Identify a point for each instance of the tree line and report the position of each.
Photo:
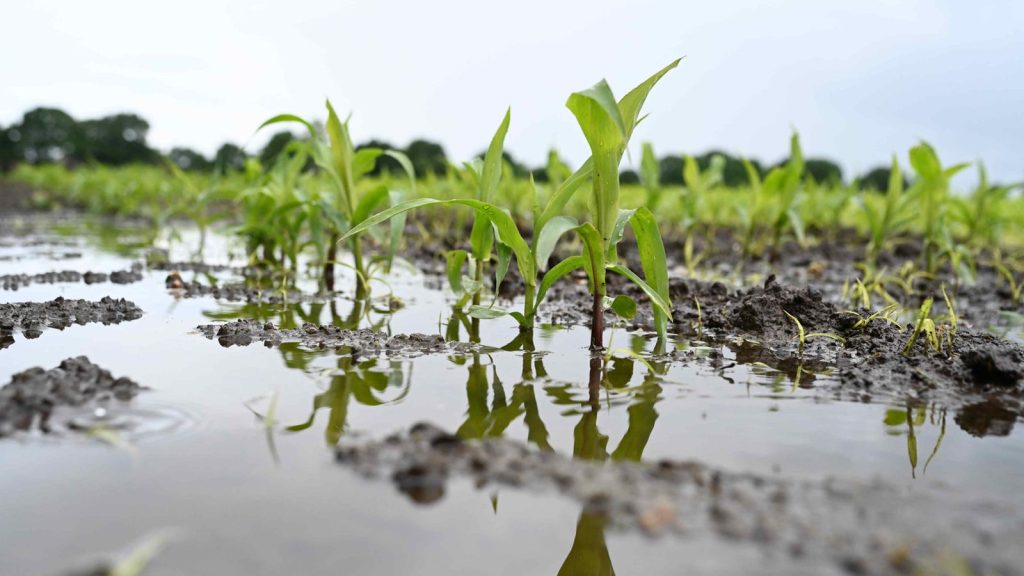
(50, 135)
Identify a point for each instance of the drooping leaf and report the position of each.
(656, 299)
(556, 272)
(548, 237)
(454, 261)
(593, 257)
(599, 117)
(654, 263)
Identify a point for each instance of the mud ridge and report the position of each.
(363, 342)
(31, 318)
(864, 528)
(16, 281)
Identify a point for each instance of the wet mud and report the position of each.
(31, 399)
(32, 318)
(16, 281)
(363, 342)
(859, 528)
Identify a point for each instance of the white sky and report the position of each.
(859, 79)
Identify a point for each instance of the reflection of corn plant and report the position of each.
(931, 196)
(336, 156)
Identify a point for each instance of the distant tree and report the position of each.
(629, 177)
(117, 140)
(427, 157)
(229, 158)
(188, 159)
(878, 179)
(734, 173)
(48, 135)
(671, 170)
(824, 171)
(8, 151)
(277, 143)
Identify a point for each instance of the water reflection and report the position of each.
(371, 382)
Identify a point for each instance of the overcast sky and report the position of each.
(859, 79)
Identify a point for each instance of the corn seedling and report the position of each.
(1016, 286)
(802, 336)
(886, 221)
(607, 126)
(931, 197)
(347, 208)
(650, 177)
(888, 314)
(923, 325)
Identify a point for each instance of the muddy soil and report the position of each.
(360, 343)
(28, 402)
(240, 292)
(32, 318)
(16, 281)
(859, 528)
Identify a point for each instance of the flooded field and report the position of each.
(304, 452)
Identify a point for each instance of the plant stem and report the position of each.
(362, 282)
(530, 313)
(597, 323)
(478, 275)
(332, 254)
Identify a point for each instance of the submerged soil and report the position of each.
(859, 528)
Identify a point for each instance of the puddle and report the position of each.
(247, 497)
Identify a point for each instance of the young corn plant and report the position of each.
(607, 126)
(885, 221)
(931, 197)
(650, 177)
(782, 185)
(347, 207)
(802, 336)
(924, 325)
(496, 230)
(697, 187)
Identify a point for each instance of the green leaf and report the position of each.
(491, 175)
(691, 174)
(364, 161)
(280, 118)
(556, 272)
(369, 202)
(548, 238)
(654, 264)
(895, 417)
(656, 300)
(650, 170)
(618, 230)
(556, 204)
(599, 117)
(594, 257)
(504, 259)
(623, 306)
(633, 102)
(503, 223)
(925, 161)
(454, 261)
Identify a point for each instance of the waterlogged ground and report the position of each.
(229, 455)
